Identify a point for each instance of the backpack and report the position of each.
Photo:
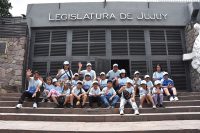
(61, 100)
(126, 94)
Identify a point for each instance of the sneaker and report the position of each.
(157, 105)
(34, 105)
(18, 106)
(71, 106)
(136, 112)
(140, 106)
(161, 105)
(171, 99)
(77, 103)
(176, 98)
(121, 112)
(154, 107)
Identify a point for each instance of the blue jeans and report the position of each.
(105, 100)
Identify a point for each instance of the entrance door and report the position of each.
(123, 64)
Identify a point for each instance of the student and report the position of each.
(48, 86)
(102, 80)
(169, 89)
(33, 90)
(75, 79)
(94, 94)
(149, 82)
(145, 94)
(66, 93)
(56, 91)
(158, 74)
(128, 95)
(65, 73)
(87, 82)
(88, 70)
(136, 82)
(158, 93)
(123, 78)
(109, 97)
(114, 73)
(78, 95)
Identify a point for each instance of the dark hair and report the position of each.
(121, 74)
(68, 68)
(159, 66)
(36, 72)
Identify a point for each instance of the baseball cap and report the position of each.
(95, 82)
(66, 63)
(143, 82)
(80, 82)
(129, 81)
(87, 74)
(157, 82)
(122, 71)
(146, 76)
(115, 65)
(54, 80)
(89, 64)
(76, 74)
(165, 73)
(102, 73)
(136, 72)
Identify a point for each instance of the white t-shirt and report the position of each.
(149, 84)
(66, 75)
(111, 74)
(130, 90)
(33, 84)
(138, 82)
(155, 90)
(143, 91)
(107, 91)
(66, 92)
(103, 83)
(158, 75)
(87, 84)
(77, 91)
(74, 82)
(92, 73)
(122, 81)
(94, 91)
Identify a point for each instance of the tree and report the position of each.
(5, 5)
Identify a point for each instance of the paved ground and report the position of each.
(105, 126)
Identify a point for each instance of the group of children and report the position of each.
(68, 90)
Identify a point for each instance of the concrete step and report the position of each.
(100, 117)
(171, 109)
(190, 97)
(190, 126)
(50, 104)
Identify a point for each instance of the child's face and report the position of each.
(137, 75)
(147, 79)
(87, 78)
(123, 75)
(79, 86)
(76, 77)
(95, 86)
(165, 76)
(49, 81)
(103, 77)
(143, 86)
(109, 84)
(128, 85)
(158, 86)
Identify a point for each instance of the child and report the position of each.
(56, 91)
(94, 94)
(145, 94)
(158, 94)
(75, 79)
(130, 99)
(149, 82)
(109, 96)
(102, 80)
(66, 93)
(47, 88)
(136, 82)
(78, 95)
(33, 90)
(87, 82)
(169, 89)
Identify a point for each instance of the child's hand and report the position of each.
(34, 95)
(110, 99)
(28, 72)
(80, 65)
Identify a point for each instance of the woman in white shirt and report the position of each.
(158, 74)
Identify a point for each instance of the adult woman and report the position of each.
(65, 73)
(158, 74)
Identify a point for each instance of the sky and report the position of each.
(19, 6)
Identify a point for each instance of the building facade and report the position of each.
(135, 35)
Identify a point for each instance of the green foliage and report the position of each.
(5, 5)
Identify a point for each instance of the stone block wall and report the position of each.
(11, 63)
(190, 36)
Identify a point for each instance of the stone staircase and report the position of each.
(182, 116)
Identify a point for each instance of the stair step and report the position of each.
(50, 104)
(190, 126)
(9, 98)
(97, 110)
(100, 117)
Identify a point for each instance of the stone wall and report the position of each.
(190, 36)
(11, 63)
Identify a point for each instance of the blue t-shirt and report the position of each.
(166, 82)
(48, 87)
(58, 89)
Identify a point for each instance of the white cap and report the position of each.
(165, 73)
(89, 64)
(87, 74)
(79, 82)
(129, 81)
(76, 74)
(115, 65)
(143, 82)
(54, 80)
(157, 82)
(122, 71)
(66, 63)
(146, 76)
(95, 82)
(102, 73)
(136, 72)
